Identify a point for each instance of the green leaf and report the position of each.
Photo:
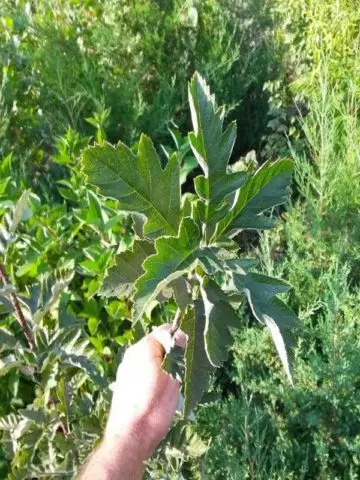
(269, 310)
(46, 298)
(93, 324)
(84, 364)
(219, 317)
(121, 278)
(7, 340)
(95, 214)
(118, 309)
(212, 147)
(6, 290)
(7, 363)
(267, 188)
(9, 422)
(173, 257)
(240, 265)
(35, 416)
(181, 293)
(197, 366)
(138, 182)
(21, 211)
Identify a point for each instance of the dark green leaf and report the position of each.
(267, 188)
(121, 278)
(197, 366)
(173, 257)
(270, 311)
(212, 147)
(219, 316)
(138, 182)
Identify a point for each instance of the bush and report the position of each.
(63, 64)
(312, 431)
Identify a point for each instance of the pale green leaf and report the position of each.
(9, 422)
(128, 268)
(220, 316)
(197, 365)
(84, 364)
(7, 340)
(21, 211)
(35, 416)
(48, 295)
(6, 290)
(7, 363)
(139, 183)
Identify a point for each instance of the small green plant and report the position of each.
(184, 245)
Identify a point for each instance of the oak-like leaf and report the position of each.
(173, 257)
(269, 310)
(121, 278)
(267, 188)
(212, 148)
(139, 183)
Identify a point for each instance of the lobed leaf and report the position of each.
(121, 278)
(269, 310)
(267, 188)
(173, 257)
(212, 148)
(138, 182)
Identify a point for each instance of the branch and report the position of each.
(19, 313)
(176, 322)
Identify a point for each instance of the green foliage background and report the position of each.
(75, 72)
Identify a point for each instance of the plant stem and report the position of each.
(176, 322)
(19, 313)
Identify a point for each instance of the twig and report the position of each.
(19, 313)
(176, 322)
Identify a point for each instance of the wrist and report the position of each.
(140, 433)
(132, 440)
(121, 457)
(117, 457)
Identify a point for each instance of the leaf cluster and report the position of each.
(185, 245)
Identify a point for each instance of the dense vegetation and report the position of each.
(74, 73)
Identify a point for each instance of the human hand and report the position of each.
(145, 397)
(142, 409)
